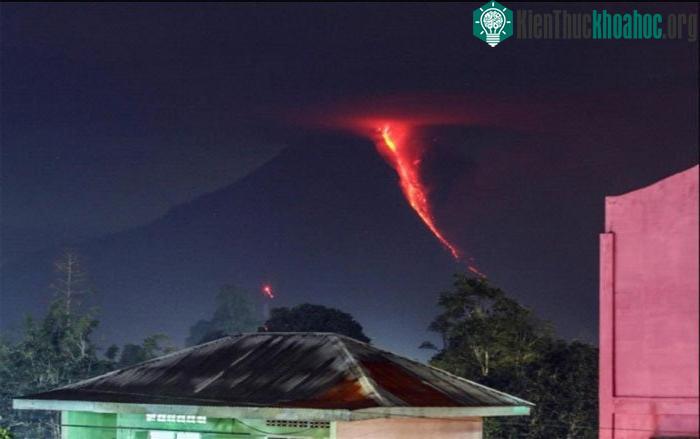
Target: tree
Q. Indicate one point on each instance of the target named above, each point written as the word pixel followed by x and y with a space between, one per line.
pixel 484 331
pixel 152 347
pixel 71 284
pixel 234 313
pixel 564 386
pixel 53 351
pixel 111 353
pixel 314 318
pixel 490 338
pixel 58 349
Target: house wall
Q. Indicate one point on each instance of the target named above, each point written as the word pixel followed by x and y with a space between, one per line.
pixel 410 429
pixel 88 425
pixel 649 311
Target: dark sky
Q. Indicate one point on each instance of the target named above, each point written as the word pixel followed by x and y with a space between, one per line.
pixel 112 114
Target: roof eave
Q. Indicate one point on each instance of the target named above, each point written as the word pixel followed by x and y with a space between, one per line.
pixel 199 410
pixel 273 413
pixel 439 412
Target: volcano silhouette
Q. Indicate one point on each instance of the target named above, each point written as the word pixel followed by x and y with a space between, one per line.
pixel 324 223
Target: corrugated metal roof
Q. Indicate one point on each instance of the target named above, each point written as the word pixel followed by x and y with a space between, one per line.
pixel 294 370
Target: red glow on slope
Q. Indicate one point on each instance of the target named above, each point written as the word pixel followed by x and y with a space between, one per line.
pixel 471 266
pixel 395 125
pixel 267 291
pixel 406 161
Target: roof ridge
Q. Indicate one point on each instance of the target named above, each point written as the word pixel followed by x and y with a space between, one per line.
pixel 368 385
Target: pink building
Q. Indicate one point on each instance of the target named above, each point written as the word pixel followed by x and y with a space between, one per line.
pixel 649 311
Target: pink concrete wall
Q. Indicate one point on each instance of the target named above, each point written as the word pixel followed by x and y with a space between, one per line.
pixel 410 429
pixel 649 311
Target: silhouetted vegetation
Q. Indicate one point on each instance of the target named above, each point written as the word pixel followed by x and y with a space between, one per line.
pixel 490 338
pixel 59 349
pixel 314 318
pixel 234 313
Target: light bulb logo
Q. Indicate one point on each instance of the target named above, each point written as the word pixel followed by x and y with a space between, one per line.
pixel 493 23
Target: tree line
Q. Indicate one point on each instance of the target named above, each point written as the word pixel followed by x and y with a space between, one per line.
pixel 486 336
pixel 490 338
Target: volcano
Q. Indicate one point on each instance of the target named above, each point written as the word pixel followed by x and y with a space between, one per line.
pixel 325 223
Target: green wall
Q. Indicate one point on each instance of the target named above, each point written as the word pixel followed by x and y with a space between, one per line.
pixel 87 425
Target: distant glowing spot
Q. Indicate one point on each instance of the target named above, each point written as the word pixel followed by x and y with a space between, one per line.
pixel 267 291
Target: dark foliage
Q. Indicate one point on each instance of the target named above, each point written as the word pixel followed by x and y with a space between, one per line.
pixel 234 314
pixel 490 338
pixel 314 318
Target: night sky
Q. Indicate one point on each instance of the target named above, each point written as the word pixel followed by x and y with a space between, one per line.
pixel 183 146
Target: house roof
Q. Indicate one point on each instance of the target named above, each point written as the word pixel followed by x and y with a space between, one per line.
pixel 283 370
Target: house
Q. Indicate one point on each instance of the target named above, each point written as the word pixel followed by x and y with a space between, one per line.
pixel 649 312
pixel 276 386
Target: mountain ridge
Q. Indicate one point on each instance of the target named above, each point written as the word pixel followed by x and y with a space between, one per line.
pixel 323 222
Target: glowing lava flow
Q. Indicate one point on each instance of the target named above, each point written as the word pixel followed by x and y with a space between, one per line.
pixel 267 291
pixel 406 162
